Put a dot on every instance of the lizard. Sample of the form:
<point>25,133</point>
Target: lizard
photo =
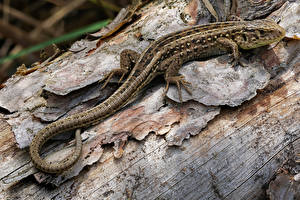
<point>164,56</point>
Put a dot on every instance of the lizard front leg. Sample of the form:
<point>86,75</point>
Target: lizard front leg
<point>172,76</point>
<point>128,58</point>
<point>230,44</point>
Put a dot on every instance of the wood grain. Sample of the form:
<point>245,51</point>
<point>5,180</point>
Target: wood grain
<point>234,157</point>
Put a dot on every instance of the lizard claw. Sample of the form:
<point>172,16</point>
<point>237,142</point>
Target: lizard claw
<point>119,71</point>
<point>235,62</point>
<point>178,80</point>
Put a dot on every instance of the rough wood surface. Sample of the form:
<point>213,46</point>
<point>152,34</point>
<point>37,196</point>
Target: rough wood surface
<point>235,156</point>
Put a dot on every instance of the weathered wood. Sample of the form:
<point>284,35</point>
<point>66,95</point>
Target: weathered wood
<point>234,157</point>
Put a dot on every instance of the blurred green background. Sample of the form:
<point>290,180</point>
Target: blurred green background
<point>28,26</point>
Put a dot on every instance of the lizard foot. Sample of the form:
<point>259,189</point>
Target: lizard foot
<point>119,71</point>
<point>178,80</point>
<point>235,62</point>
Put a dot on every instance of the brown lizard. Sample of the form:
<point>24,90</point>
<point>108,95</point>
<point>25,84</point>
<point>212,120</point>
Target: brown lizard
<point>164,56</point>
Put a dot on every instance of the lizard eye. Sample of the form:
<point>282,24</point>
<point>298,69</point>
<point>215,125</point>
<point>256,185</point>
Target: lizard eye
<point>262,32</point>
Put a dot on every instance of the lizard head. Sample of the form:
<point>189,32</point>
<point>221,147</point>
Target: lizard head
<point>259,33</point>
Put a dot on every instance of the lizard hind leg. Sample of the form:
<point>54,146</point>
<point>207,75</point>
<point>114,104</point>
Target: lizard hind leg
<point>128,58</point>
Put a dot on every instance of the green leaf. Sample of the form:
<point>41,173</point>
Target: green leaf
<point>69,36</point>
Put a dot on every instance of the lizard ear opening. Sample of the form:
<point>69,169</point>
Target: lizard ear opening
<point>241,40</point>
<point>244,37</point>
<point>261,32</point>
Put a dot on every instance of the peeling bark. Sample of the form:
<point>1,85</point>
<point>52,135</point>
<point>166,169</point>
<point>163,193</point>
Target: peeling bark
<point>228,144</point>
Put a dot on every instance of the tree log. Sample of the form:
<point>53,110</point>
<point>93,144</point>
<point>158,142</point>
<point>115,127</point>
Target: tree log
<point>231,148</point>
